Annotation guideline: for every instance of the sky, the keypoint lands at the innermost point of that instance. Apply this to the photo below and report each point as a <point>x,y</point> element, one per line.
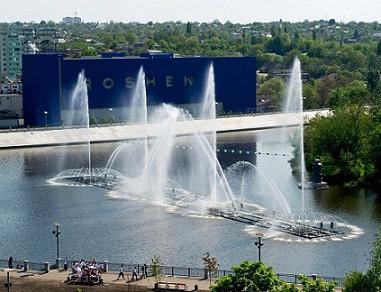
<point>237,11</point>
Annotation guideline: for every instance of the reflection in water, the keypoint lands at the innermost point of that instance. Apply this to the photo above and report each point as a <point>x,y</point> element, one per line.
<point>94,225</point>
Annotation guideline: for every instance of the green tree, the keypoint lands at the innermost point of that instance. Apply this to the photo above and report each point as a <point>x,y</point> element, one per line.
<point>369,281</point>
<point>357,282</point>
<point>318,285</point>
<point>314,35</point>
<point>311,97</point>
<point>189,28</point>
<point>355,93</point>
<point>156,266</point>
<point>280,44</point>
<point>379,48</point>
<point>342,142</point>
<point>324,87</point>
<point>250,276</point>
<point>272,90</point>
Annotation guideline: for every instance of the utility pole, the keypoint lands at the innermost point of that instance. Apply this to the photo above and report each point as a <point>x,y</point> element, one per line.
<point>57,233</point>
<point>259,244</point>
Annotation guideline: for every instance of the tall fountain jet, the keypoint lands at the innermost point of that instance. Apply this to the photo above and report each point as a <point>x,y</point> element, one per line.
<point>208,111</point>
<point>79,105</point>
<point>136,112</point>
<point>294,103</point>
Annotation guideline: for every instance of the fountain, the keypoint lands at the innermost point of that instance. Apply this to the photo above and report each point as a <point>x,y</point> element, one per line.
<point>189,177</point>
<point>77,115</point>
<point>294,103</point>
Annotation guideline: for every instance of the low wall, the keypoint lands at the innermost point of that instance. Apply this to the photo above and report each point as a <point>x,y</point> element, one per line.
<point>51,137</point>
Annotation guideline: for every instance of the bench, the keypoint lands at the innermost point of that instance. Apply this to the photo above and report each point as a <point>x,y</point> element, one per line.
<point>170,286</point>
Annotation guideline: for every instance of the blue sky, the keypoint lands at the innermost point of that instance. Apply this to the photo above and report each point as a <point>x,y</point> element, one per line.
<point>243,11</point>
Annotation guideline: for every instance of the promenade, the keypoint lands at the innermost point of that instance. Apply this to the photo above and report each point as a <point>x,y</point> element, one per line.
<point>121,132</point>
<point>54,280</point>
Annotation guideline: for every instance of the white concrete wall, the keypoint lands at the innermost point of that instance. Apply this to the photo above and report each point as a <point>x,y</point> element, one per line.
<point>123,132</point>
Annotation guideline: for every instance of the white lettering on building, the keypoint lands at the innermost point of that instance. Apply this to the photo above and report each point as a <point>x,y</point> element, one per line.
<point>169,81</point>
<point>129,82</point>
<point>150,82</point>
<point>188,81</point>
<point>88,83</point>
<point>108,83</point>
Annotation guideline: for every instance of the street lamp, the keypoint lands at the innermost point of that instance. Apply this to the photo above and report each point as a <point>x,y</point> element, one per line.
<point>259,244</point>
<point>8,285</point>
<point>46,119</point>
<point>57,233</point>
<point>110,110</point>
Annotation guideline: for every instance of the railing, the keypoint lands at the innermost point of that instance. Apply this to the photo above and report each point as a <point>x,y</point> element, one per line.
<point>171,271</point>
<point>293,278</point>
<point>122,123</point>
<point>33,266</point>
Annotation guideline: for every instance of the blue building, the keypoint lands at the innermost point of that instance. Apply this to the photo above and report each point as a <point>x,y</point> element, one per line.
<point>49,79</point>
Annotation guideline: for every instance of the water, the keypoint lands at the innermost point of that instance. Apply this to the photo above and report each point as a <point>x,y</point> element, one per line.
<point>153,175</point>
<point>208,111</point>
<point>95,225</point>
<point>79,112</point>
<point>293,102</point>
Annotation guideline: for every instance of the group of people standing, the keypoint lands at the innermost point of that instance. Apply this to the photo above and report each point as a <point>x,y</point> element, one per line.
<point>135,274</point>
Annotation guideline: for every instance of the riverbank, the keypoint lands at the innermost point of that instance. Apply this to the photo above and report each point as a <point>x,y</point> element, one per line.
<point>114,133</point>
<point>54,280</point>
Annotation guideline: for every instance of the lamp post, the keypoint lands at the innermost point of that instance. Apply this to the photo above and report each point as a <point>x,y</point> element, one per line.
<point>46,119</point>
<point>259,244</point>
<point>8,285</point>
<point>110,110</point>
<point>57,233</point>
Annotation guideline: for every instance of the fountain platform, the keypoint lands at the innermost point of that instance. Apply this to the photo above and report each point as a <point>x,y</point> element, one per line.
<point>250,214</point>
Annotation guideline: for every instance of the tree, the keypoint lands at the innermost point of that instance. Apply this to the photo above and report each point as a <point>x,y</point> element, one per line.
<point>189,28</point>
<point>357,282</point>
<point>318,285</point>
<point>374,71</point>
<point>342,142</point>
<point>311,97</point>
<point>314,35</point>
<point>324,88</point>
<point>156,268</point>
<point>280,44</point>
<point>250,276</point>
<point>272,90</point>
<point>355,93</point>
<point>210,264</point>
<point>371,280</point>
<point>332,21</point>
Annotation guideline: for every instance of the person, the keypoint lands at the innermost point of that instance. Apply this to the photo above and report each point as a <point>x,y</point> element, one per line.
<point>10,262</point>
<point>135,274</point>
<point>145,273</point>
<point>121,272</point>
<point>65,264</point>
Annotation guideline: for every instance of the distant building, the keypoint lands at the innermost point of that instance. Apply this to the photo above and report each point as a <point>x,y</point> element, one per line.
<point>285,74</point>
<point>376,36</point>
<point>11,49</point>
<point>49,80</point>
<point>71,20</point>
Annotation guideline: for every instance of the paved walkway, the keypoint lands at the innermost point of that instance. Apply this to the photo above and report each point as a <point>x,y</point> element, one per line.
<point>56,279</point>
<point>50,137</point>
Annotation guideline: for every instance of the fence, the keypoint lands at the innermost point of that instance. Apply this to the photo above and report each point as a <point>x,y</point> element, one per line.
<point>171,271</point>
<point>27,128</point>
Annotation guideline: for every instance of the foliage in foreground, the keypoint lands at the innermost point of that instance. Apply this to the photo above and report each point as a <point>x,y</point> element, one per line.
<point>256,277</point>
<point>369,281</point>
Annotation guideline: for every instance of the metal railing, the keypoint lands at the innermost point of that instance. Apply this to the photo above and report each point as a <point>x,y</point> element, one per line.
<point>171,271</point>
<point>123,123</point>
